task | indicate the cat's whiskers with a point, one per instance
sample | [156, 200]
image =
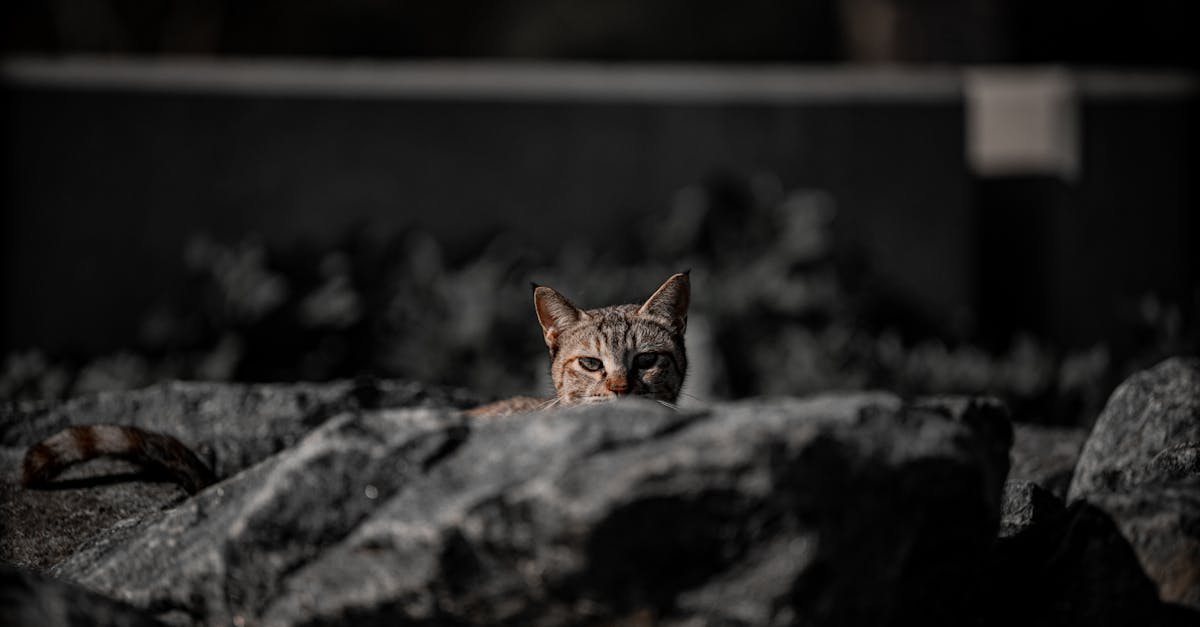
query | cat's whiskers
[592, 399]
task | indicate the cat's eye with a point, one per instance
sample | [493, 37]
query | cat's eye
[590, 363]
[645, 360]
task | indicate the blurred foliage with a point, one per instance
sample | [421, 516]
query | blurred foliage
[779, 308]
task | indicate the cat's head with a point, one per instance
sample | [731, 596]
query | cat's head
[622, 350]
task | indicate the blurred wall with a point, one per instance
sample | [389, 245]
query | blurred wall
[1072, 260]
[1078, 32]
[108, 172]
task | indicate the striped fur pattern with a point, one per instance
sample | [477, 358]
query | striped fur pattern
[601, 354]
[46, 459]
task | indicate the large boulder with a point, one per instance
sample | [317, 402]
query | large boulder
[231, 426]
[827, 511]
[1141, 465]
[1152, 414]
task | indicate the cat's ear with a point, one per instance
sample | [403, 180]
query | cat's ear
[554, 312]
[670, 302]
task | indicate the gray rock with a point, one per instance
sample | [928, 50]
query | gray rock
[1177, 463]
[1026, 504]
[1162, 522]
[28, 599]
[232, 426]
[40, 527]
[835, 510]
[1141, 465]
[1046, 455]
[1150, 412]
[1073, 567]
[1056, 566]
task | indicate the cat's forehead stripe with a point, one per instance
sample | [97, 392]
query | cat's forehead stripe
[612, 330]
[619, 329]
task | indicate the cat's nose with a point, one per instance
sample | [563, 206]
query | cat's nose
[617, 384]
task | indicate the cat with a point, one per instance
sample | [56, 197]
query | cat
[595, 355]
[611, 352]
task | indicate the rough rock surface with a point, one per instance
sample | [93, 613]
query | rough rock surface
[27, 598]
[39, 528]
[1026, 504]
[381, 504]
[1151, 413]
[833, 510]
[1141, 465]
[231, 426]
[1162, 522]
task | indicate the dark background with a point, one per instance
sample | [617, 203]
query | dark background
[838, 240]
[1097, 32]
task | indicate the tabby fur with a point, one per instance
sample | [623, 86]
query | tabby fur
[601, 354]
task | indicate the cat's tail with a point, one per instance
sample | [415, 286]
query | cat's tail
[73, 445]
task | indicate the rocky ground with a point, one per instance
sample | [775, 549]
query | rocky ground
[381, 503]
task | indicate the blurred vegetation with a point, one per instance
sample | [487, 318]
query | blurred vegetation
[780, 306]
